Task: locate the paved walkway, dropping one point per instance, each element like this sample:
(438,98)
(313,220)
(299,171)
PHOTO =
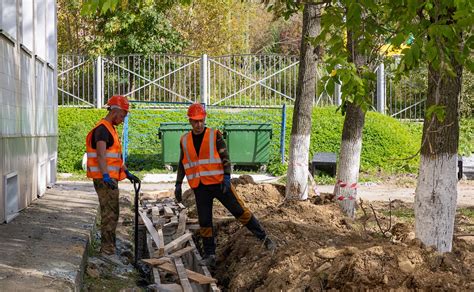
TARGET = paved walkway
(43,248)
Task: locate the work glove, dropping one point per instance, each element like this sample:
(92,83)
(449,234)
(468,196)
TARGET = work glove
(109,182)
(178,193)
(226,184)
(132,177)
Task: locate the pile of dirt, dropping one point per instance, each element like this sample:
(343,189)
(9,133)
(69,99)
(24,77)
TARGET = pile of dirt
(319,248)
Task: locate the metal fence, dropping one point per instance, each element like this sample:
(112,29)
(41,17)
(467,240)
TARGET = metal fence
(234,80)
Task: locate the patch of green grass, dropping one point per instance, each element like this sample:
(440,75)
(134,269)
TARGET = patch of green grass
(403,213)
(468,212)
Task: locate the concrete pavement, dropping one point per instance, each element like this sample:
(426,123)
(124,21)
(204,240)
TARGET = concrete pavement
(43,249)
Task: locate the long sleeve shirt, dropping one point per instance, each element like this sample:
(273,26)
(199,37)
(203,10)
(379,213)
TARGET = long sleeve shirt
(197,141)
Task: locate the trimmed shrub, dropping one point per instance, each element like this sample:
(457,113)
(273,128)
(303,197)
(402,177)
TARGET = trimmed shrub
(387,143)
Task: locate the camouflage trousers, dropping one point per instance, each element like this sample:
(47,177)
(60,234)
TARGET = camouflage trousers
(109,215)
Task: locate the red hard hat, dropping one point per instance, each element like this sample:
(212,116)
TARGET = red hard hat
(120,101)
(196,111)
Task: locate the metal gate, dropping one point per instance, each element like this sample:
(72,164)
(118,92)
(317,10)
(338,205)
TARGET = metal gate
(234,80)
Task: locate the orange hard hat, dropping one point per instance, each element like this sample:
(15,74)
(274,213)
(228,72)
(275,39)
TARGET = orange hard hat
(196,111)
(120,101)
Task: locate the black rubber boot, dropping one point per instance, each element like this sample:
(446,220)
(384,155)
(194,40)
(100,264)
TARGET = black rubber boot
(254,226)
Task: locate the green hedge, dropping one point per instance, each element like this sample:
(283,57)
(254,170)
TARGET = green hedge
(386,142)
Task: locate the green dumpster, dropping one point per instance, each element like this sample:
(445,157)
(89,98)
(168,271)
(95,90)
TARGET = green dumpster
(169,134)
(248,143)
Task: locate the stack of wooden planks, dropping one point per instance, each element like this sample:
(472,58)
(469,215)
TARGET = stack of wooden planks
(173,254)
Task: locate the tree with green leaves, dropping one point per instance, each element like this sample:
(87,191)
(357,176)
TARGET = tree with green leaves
(297,174)
(443,38)
(353,39)
(354,33)
(138,27)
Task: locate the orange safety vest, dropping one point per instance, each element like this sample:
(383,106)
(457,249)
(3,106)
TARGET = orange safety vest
(206,168)
(113,155)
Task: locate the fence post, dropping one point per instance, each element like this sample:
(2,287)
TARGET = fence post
(98,82)
(381,88)
(283,133)
(204,80)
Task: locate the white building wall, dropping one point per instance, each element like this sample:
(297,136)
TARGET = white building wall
(28,102)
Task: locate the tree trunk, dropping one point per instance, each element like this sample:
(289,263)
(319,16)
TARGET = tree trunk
(436,191)
(345,189)
(297,175)
(349,159)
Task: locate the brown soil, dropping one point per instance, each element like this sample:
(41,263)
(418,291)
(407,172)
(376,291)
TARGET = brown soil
(319,249)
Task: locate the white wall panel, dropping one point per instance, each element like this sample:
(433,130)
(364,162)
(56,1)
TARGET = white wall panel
(8,17)
(27,28)
(49,106)
(40,100)
(27,101)
(10,108)
(40,28)
(51,32)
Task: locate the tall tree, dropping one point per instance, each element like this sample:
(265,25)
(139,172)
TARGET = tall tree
(443,38)
(213,27)
(353,37)
(297,175)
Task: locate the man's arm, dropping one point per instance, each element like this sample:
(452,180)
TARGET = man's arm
(101,148)
(223,154)
(180,174)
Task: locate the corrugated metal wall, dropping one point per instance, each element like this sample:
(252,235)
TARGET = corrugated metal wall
(28,102)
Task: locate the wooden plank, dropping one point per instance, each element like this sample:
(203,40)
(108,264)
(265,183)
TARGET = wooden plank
(181,223)
(178,253)
(193,227)
(205,270)
(181,252)
(155,215)
(151,229)
(175,244)
(192,221)
(181,206)
(169,287)
(168,212)
(157,262)
(193,276)
(183,276)
(174,220)
(161,246)
(155,272)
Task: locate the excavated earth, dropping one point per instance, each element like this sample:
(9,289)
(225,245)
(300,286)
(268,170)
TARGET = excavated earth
(320,249)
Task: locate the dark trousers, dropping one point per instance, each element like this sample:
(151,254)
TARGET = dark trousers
(205,195)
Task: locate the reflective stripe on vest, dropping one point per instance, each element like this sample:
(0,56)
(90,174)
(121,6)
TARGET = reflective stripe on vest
(107,155)
(109,168)
(205,168)
(113,155)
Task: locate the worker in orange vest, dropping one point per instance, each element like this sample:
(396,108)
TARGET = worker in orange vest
(205,162)
(105,166)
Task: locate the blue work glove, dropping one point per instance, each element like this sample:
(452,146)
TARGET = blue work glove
(132,177)
(109,182)
(226,184)
(178,193)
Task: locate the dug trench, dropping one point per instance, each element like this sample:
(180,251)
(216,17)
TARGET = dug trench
(318,248)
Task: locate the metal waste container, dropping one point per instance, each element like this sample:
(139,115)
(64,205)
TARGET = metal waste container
(248,143)
(169,134)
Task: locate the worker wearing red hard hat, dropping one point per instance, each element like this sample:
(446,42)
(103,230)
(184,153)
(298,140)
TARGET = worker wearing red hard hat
(205,163)
(105,166)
